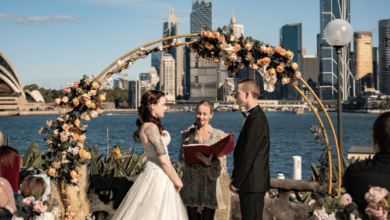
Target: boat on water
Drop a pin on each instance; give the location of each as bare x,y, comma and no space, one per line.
298,111
271,109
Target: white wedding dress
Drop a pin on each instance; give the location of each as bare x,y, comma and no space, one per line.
153,195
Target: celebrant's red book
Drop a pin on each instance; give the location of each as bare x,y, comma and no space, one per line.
219,149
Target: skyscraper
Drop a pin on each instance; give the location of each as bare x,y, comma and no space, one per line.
171,28
167,76
363,60
331,10
202,14
384,56
375,67
238,29
291,39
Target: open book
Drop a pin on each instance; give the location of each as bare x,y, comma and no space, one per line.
219,149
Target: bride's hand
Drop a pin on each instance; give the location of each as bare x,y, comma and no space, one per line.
178,185
204,159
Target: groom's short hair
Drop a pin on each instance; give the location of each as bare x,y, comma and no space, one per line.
381,131
250,85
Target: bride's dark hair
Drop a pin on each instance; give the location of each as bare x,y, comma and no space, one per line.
145,111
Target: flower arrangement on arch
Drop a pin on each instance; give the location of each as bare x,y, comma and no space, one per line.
273,63
378,203
66,155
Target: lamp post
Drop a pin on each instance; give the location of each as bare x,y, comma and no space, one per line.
338,33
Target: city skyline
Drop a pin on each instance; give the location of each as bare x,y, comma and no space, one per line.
60,50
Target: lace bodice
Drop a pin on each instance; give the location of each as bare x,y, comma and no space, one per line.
150,152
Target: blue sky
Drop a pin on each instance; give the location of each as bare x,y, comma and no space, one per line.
53,42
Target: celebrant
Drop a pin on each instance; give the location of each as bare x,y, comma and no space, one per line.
202,193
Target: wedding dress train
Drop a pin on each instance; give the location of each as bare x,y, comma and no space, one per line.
153,195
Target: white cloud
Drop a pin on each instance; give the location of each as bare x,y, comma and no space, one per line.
34,20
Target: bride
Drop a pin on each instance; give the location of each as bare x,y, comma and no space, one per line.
155,193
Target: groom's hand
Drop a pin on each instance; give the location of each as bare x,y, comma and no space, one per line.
232,189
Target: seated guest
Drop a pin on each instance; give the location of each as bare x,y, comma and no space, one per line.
9,167
360,176
7,197
37,185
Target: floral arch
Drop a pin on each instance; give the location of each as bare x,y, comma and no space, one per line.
65,136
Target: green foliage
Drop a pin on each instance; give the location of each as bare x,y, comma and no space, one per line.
48,94
113,94
36,194
34,158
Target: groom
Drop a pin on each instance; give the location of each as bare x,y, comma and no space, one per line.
251,178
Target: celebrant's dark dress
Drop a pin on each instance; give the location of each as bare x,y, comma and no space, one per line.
360,176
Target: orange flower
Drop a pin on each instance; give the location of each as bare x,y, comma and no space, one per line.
208,45
73,174
278,49
87,156
294,66
52,171
203,33
237,47
272,72
76,136
267,60
68,218
209,34
279,69
87,117
65,127
216,35
82,152
76,84
77,122
216,59
82,138
102,97
248,46
57,101
221,39
88,103
263,47
95,85
283,52
268,50
260,62
76,101
93,105
289,53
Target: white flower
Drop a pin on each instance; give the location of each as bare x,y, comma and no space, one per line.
297,74
74,150
160,47
120,62
321,214
142,48
46,216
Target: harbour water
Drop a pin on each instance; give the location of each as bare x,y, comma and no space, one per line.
290,134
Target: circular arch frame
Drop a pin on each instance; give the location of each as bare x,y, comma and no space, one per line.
124,65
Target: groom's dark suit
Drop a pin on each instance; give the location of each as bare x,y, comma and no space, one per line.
251,164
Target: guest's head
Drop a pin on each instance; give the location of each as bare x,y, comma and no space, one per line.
204,112
247,92
7,196
9,166
381,133
151,109
33,185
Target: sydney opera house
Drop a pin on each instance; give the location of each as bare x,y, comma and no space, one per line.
13,100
